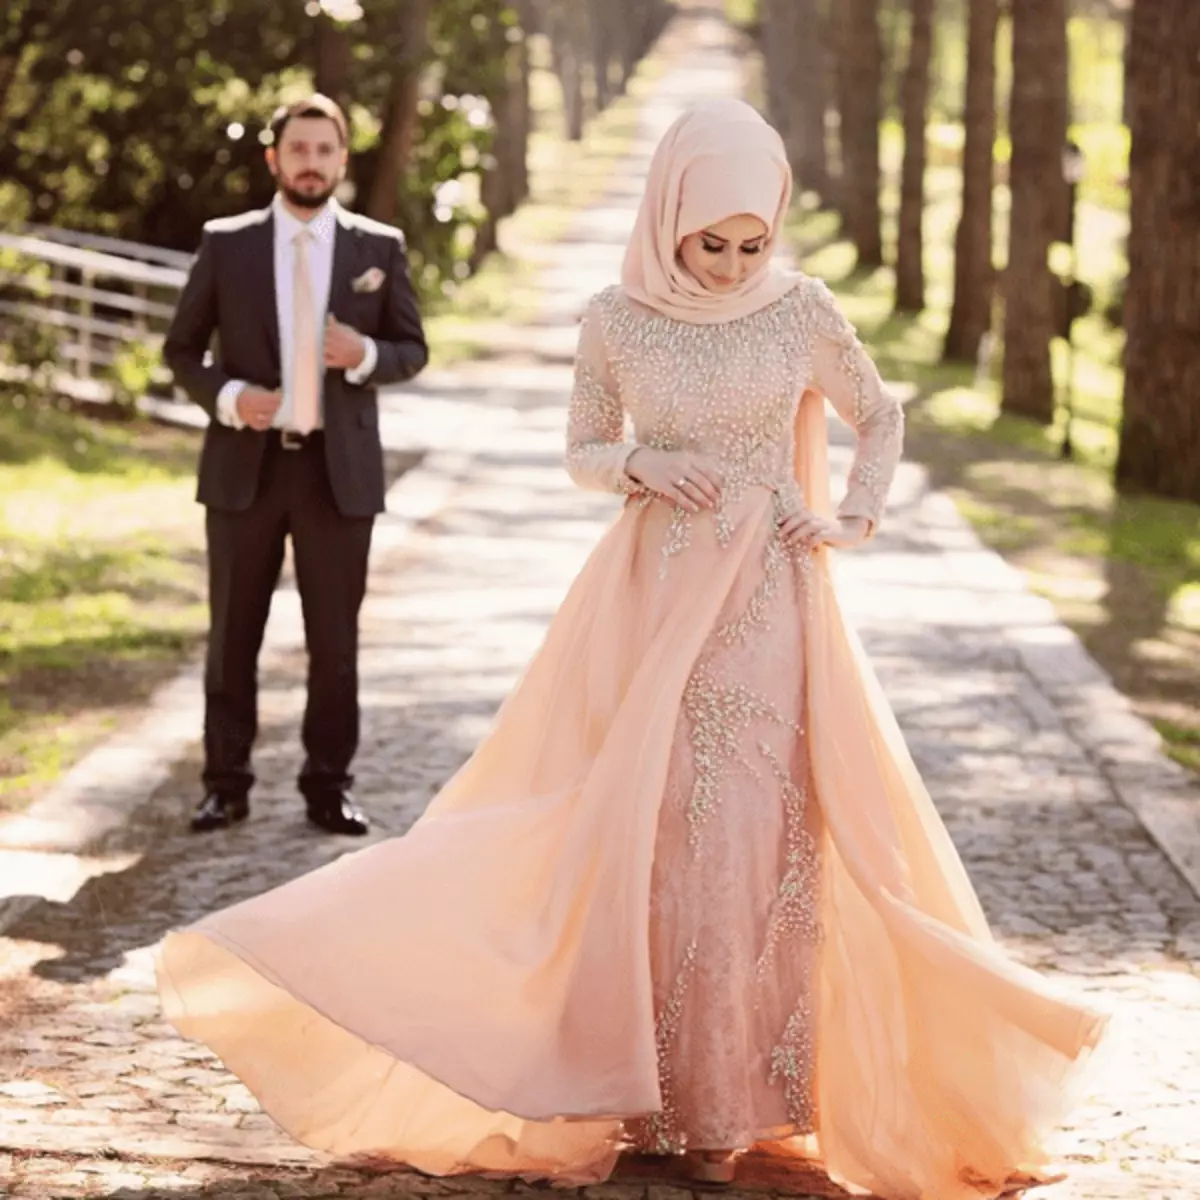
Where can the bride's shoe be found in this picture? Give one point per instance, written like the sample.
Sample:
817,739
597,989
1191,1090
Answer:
711,1166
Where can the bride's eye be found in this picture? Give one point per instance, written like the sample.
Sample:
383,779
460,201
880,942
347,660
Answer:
710,248
752,249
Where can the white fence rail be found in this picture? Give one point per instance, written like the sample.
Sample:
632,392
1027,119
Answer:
109,245
98,295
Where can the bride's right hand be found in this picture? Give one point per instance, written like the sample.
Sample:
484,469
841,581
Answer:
693,481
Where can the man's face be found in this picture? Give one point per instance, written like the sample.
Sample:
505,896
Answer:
309,161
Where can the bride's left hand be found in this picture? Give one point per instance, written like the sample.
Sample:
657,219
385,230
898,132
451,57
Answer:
807,530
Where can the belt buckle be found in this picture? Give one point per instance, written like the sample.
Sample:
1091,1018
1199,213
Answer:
290,439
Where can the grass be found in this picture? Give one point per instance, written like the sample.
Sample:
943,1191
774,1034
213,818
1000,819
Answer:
102,576
565,177
1183,743
101,579
1123,572
741,13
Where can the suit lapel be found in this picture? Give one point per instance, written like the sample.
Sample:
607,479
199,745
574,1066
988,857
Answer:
345,261
262,281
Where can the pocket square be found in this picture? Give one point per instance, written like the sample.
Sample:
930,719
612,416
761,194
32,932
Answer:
371,280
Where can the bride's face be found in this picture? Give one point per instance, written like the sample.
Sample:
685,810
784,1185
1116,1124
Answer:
724,255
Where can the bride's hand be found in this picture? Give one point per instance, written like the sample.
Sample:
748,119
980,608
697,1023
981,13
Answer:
804,529
693,481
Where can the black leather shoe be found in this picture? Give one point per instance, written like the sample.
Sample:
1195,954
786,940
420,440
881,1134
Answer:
336,812
219,810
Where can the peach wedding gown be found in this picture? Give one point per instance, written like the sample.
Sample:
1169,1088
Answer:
690,891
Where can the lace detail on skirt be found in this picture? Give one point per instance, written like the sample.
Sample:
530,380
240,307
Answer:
720,713
793,1061
736,879
795,911
660,1133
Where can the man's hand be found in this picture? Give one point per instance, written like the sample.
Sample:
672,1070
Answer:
344,346
257,407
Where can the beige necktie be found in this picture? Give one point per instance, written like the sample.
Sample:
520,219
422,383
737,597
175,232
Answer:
306,385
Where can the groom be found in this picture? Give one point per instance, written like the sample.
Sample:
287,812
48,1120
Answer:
313,311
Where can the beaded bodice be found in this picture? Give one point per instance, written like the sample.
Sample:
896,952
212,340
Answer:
730,390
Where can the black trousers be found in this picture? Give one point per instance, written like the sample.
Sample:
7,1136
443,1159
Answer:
245,557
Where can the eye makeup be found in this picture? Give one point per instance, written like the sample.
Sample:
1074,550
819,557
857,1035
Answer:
711,244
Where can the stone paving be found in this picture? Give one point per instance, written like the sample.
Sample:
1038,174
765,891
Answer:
98,1097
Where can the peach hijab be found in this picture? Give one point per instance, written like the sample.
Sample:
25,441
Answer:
719,159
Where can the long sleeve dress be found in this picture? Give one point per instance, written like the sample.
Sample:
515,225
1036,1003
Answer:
690,890
734,920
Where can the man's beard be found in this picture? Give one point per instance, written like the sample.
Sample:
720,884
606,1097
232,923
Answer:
301,199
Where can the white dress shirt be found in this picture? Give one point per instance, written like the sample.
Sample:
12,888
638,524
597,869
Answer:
322,230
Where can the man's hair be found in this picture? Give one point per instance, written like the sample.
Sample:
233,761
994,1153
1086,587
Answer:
315,105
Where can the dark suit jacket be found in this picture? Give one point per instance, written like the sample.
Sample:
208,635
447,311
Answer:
231,291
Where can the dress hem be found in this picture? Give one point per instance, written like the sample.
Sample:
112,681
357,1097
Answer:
249,961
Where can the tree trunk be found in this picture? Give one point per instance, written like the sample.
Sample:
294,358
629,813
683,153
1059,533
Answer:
974,274
910,249
599,13
628,51
1058,113
779,62
521,112
400,117
571,73
794,53
500,190
861,54
1160,431
812,99
641,22
1038,130
332,73
567,52
835,85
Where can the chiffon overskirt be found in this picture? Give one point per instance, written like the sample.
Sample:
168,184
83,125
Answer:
478,995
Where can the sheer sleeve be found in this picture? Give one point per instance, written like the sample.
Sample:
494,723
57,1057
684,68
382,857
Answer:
844,372
597,449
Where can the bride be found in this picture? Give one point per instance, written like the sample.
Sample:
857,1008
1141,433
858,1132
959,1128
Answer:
690,894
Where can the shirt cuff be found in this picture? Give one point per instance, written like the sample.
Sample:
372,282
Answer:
360,374
227,399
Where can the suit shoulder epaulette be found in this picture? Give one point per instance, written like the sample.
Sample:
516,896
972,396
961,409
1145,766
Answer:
238,222
375,228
